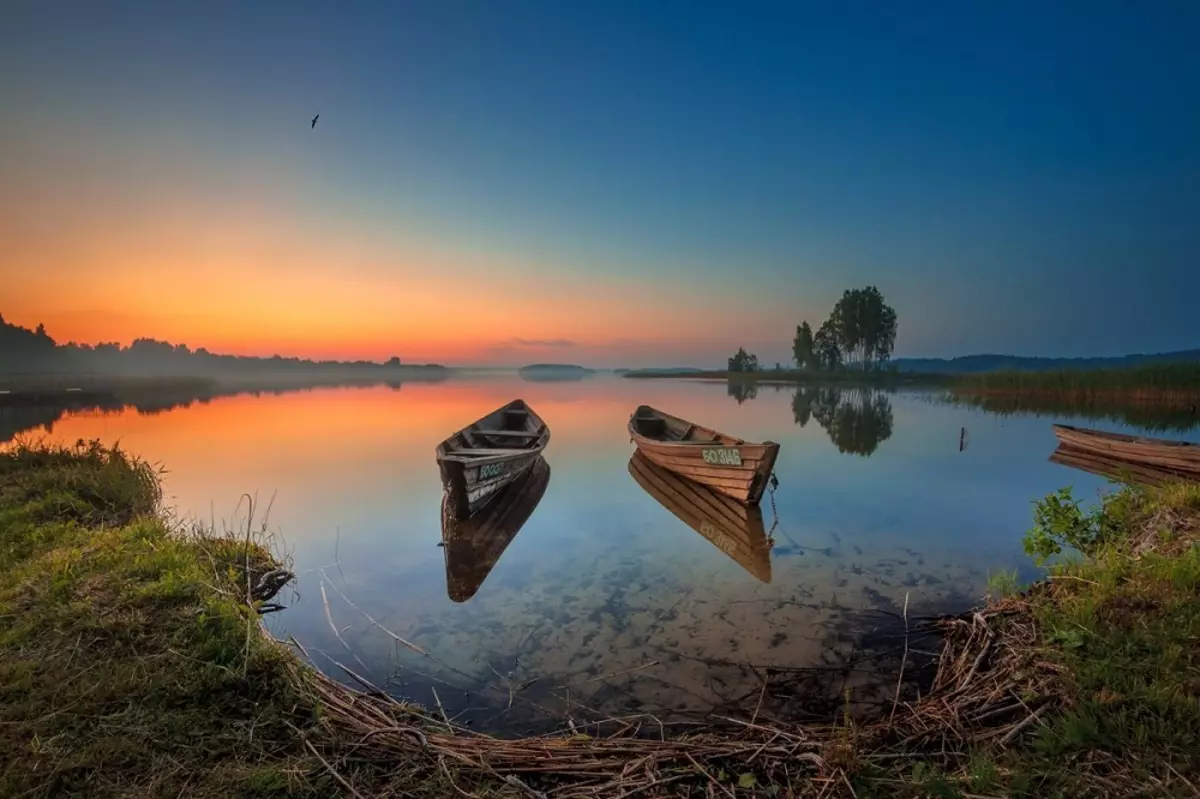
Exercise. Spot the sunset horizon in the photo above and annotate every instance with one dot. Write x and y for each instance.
(619, 190)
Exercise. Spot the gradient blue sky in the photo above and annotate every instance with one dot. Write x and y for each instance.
(637, 183)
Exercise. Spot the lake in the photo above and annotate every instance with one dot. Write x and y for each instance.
(605, 603)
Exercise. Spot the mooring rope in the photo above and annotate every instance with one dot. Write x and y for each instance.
(772, 484)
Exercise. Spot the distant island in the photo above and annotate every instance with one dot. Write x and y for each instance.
(555, 371)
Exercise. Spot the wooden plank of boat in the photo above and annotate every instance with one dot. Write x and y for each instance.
(1115, 469)
(734, 467)
(473, 546)
(1177, 455)
(732, 527)
(485, 456)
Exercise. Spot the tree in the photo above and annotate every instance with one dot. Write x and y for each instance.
(393, 361)
(743, 361)
(826, 352)
(802, 347)
(864, 327)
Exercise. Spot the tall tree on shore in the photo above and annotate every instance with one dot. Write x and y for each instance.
(802, 347)
(864, 327)
(826, 352)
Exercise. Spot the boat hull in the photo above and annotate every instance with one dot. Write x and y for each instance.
(738, 469)
(1176, 456)
(732, 527)
(484, 457)
(470, 487)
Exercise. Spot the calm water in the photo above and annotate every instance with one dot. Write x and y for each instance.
(875, 504)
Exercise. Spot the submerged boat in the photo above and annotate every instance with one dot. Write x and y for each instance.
(1175, 456)
(488, 454)
(474, 545)
(730, 526)
(736, 468)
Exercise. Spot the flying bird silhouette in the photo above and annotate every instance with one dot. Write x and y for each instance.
(314, 122)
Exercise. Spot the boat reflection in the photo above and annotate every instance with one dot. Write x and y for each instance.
(474, 544)
(733, 528)
(1115, 469)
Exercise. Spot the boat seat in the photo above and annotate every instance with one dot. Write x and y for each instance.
(510, 433)
(651, 426)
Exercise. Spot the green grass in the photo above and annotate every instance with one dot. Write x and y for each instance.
(1120, 627)
(130, 664)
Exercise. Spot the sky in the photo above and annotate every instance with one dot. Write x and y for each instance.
(610, 183)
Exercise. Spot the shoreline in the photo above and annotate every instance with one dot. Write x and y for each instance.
(107, 612)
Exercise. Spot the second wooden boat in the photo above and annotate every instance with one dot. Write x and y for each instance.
(730, 526)
(472, 546)
(736, 468)
(1177, 456)
(488, 454)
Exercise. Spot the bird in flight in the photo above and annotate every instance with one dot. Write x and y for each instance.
(314, 122)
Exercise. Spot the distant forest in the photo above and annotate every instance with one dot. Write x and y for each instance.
(25, 351)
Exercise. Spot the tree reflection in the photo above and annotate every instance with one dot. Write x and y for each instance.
(857, 420)
(741, 390)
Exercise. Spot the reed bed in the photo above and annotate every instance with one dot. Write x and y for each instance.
(987, 670)
(1166, 383)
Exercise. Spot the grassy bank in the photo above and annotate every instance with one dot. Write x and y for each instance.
(132, 662)
(1168, 384)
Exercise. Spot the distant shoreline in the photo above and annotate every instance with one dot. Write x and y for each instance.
(794, 376)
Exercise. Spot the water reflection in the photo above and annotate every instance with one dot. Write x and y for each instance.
(741, 390)
(1175, 413)
(733, 528)
(1114, 469)
(857, 420)
(474, 545)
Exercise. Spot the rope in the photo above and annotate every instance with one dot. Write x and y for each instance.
(772, 484)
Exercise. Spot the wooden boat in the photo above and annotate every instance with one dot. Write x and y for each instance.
(488, 454)
(739, 469)
(474, 545)
(732, 527)
(1116, 469)
(1178, 456)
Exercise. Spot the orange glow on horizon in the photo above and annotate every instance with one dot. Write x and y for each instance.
(234, 261)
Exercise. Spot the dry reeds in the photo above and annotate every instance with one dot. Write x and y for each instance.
(988, 667)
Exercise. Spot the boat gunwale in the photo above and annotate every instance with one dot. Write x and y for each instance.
(446, 453)
(724, 438)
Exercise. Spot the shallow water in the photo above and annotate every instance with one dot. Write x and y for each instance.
(877, 508)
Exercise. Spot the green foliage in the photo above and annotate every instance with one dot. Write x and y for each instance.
(864, 328)
(1003, 584)
(1060, 521)
(1126, 632)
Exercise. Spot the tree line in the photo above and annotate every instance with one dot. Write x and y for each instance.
(859, 335)
(25, 351)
